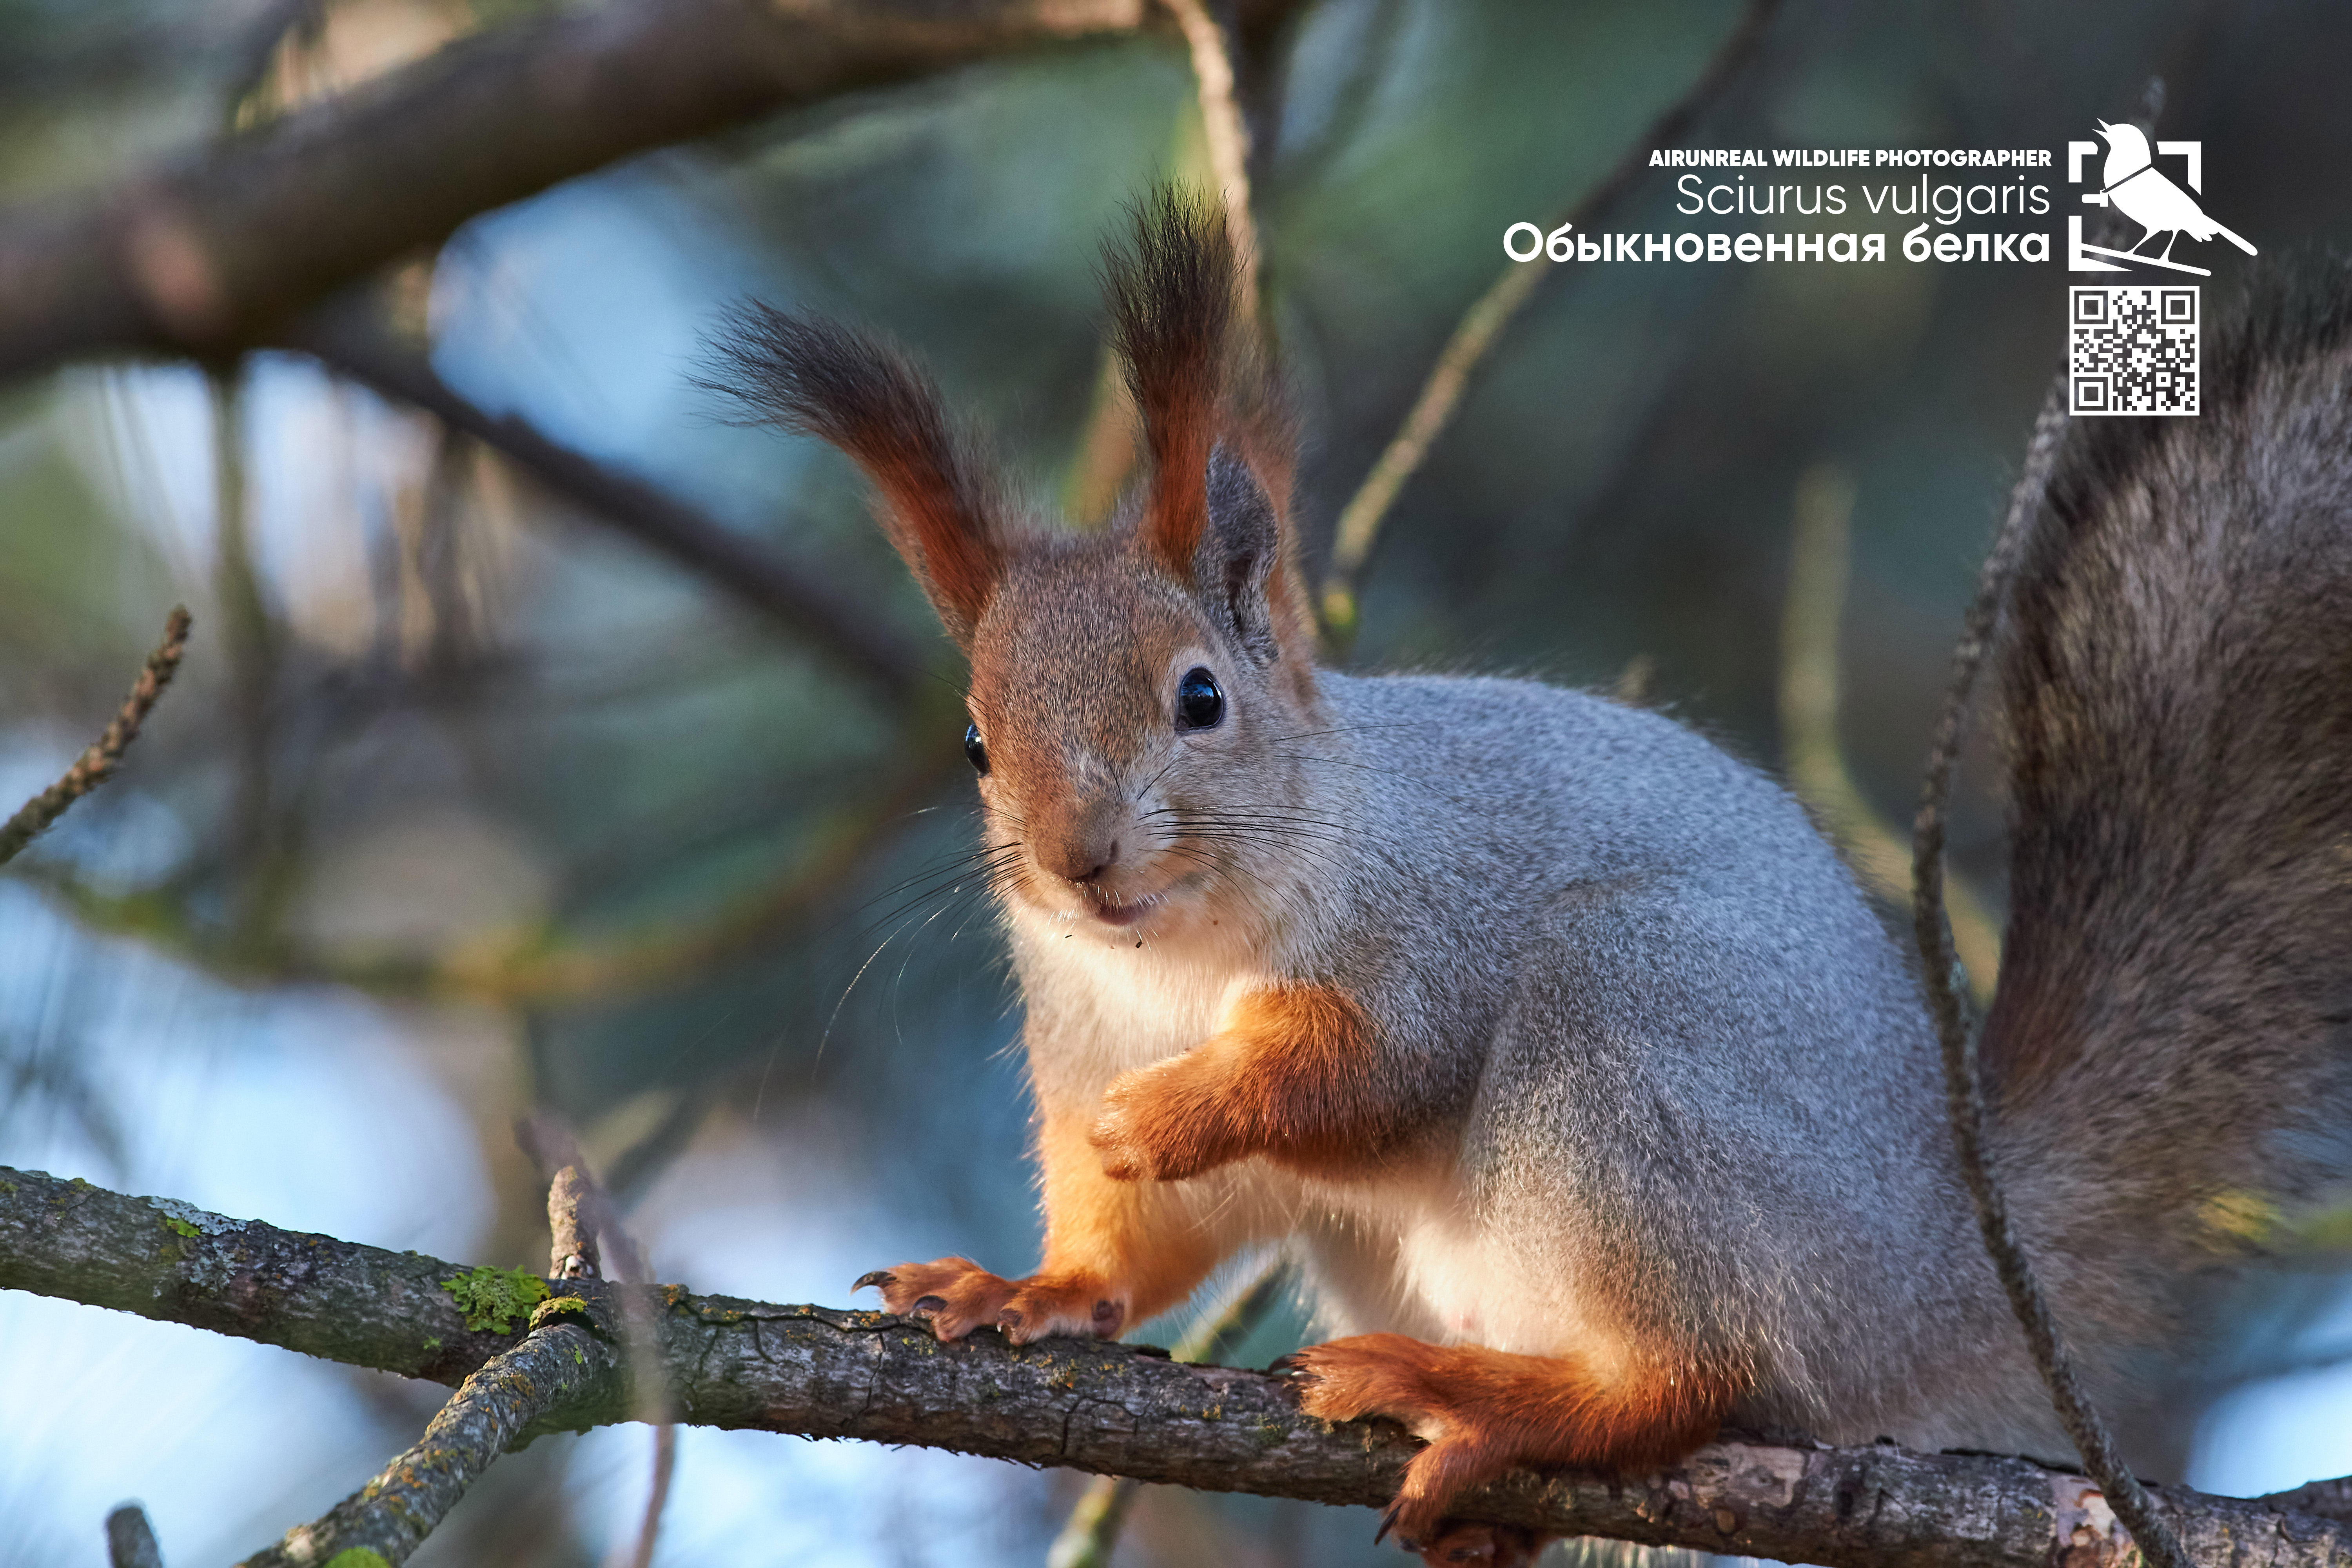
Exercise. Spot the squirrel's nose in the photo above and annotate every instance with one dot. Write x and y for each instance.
(1080, 856)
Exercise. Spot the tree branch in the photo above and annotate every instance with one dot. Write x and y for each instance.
(1091, 1534)
(391, 1515)
(1110, 1409)
(1358, 527)
(2328, 1499)
(347, 340)
(201, 255)
(1810, 750)
(97, 764)
(1228, 137)
(540, 963)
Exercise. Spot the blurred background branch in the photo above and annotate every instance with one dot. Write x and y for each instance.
(1226, 133)
(1818, 568)
(543, 965)
(1433, 408)
(352, 340)
(97, 764)
(209, 251)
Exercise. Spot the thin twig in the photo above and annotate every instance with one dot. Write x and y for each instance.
(1107, 450)
(584, 1226)
(95, 766)
(572, 1253)
(1359, 522)
(658, 1496)
(582, 1221)
(1227, 134)
(391, 1515)
(1095, 1521)
(1963, 1082)
(1818, 561)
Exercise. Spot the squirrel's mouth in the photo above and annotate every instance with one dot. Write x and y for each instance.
(1114, 911)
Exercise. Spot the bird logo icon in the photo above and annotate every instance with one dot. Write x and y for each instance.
(2132, 183)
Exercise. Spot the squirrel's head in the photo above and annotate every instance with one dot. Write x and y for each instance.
(1138, 693)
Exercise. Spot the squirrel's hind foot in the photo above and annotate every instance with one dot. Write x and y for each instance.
(955, 1296)
(1484, 1412)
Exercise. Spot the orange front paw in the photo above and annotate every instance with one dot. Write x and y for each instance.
(955, 1296)
(1154, 1125)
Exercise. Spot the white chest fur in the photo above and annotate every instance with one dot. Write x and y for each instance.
(1413, 1254)
(1102, 1002)
(1407, 1253)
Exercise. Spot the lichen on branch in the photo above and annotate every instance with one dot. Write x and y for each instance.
(495, 1298)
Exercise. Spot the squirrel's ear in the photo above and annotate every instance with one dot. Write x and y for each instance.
(1238, 567)
(939, 503)
(1172, 303)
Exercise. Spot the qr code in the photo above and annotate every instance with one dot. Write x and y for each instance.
(2131, 351)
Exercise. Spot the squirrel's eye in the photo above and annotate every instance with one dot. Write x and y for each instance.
(975, 748)
(1199, 703)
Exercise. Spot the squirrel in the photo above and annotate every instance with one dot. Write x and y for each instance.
(1563, 1048)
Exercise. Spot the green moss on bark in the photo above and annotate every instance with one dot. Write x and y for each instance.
(495, 1299)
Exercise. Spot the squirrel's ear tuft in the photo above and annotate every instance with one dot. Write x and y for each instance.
(1172, 303)
(939, 504)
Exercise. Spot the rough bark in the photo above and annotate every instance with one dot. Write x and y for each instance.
(391, 1515)
(1110, 1409)
(204, 254)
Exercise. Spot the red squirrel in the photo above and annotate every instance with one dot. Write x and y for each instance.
(1557, 1042)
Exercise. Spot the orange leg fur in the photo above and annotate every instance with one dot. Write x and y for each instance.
(1116, 1252)
(1291, 1076)
(1484, 1412)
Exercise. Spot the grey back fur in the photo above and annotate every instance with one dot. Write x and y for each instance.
(1681, 1070)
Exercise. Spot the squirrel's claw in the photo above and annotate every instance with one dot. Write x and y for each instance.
(955, 1296)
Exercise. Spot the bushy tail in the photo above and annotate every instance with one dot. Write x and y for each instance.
(2171, 1049)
